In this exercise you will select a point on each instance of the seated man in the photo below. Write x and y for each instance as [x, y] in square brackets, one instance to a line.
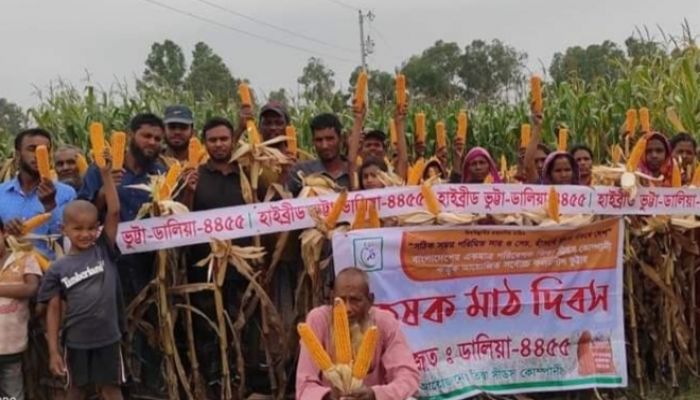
[393, 374]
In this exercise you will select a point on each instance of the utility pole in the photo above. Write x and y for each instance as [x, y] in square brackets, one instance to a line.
[366, 44]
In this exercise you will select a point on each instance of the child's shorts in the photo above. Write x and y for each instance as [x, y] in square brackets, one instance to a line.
[101, 366]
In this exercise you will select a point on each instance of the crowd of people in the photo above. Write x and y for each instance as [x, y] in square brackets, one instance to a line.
[81, 298]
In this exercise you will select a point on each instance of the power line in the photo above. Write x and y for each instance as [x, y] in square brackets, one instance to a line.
[340, 3]
[260, 37]
[269, 25]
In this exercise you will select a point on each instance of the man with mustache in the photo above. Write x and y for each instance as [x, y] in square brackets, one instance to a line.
[65, 160]
[179, 129]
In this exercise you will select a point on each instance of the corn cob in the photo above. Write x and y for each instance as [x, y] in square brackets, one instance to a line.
[504, 166]
[253, 134]
[170, 181]
[319, 356]
[291, 134]
[616, 154]
[97, 142]
[336, 210]
[676, 180]
[360, 90]
[244, 94]
[374, 221]
[82, 164]
[42, 161]
[35, 222]
[631, 121]
[563, 139]
[118, 150]
[43, 262]
[365, 353]
[440, 136]
[400, 90]
[536, 91]
[462, 123]
[675, 121]
[420, 127]
[644, 122]
[553, 204]
[341, 333]
[636, 154]
[431, 202]
[696, 177]
[416, 172]
[359, 222]
[194, 150]
[488, 180]
[393, 135]
[525, 134]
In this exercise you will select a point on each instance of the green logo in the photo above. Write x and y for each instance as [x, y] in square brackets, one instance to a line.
[368, 253]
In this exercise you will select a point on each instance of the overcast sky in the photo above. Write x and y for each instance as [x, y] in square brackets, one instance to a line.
[42, 40]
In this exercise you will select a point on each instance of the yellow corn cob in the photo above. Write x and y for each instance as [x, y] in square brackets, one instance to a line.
[170, 181]
[631, 121]
[416, 172]
[82, 164]
[97, 142]
[696, 177]
[676, 180]
[359, 222]
[53, 175]
[42, 161]
[488, 180]
[462, 122]
[244, 94]
[440, 136]
[373, 221]
[616, 154]
[400, 90]
[675, 121]
[35, 222]
[118, 150]
[644, 122]
[319, 356]
[336, 210]
[253, 134]
[360, 90]
[504, 166]
[43, 262]
[393, 135]
[553, 204]
[636, 154]
[536, 91]
[420, 127]
[525, 134]
[291, 134]
[365, 353]
[431, 202]
[341, 333]
[563, 139]
[194, 150]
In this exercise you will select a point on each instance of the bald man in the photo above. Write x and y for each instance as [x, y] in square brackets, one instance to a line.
[393, 374]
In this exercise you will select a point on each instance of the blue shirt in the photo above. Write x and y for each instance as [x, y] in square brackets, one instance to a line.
[15, 204]
[130, 199]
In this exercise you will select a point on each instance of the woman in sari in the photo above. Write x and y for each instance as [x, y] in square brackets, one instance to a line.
[657, 161]
[478, 165]
[560, 168]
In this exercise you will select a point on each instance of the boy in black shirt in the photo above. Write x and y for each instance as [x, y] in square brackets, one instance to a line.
[87, 280]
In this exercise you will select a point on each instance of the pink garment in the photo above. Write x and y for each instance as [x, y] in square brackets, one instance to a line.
[393, 374]
[480, 152]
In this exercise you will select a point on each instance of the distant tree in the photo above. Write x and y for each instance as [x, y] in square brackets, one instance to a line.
[209, 75]
[317, 81]
[279, 95]
[12, 118]
[165, 65]
[638, 49]
[595, 61]
[433, 73]
[490, 69]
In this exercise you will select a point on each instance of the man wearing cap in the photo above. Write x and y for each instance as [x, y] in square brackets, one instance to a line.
[179, 129]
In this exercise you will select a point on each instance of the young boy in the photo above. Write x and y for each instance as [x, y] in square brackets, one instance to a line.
[87, 280]
[19, 280]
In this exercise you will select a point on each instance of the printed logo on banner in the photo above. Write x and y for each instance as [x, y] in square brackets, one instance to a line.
[368, 253]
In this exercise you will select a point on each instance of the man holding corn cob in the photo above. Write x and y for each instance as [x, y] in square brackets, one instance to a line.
[392, 375]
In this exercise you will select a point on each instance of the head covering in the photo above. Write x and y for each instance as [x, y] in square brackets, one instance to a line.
[277, 108]
[549, 164]
[433, 162]
[178, 114]
[480, 152]
[666, 167]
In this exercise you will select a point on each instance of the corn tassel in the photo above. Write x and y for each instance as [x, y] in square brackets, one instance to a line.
[118, 150]
[244, 94]
[440, 136]
[319, 356]
[253, 134]
[675, 121]
[631, 121]
[636, 154]
[360, 90]
[462, 123]
[563, 139]
[81, 164]
[400, 90]
[644, 121]
[35, 222]
[420, 127]
[393, 135]
[696, 177]
[291, 134]
[365, 353]
[431, 202]
[194, 150]
[341, 333]
[373, 221]
[359, 222]
[536, 91]
[170, 181]
[42, 161]
[97, 142]
[336, 210]
[676, 180]
[553, 204]
[525, 135]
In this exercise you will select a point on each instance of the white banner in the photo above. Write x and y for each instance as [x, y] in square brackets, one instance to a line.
[500, 309]
[287, 215]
